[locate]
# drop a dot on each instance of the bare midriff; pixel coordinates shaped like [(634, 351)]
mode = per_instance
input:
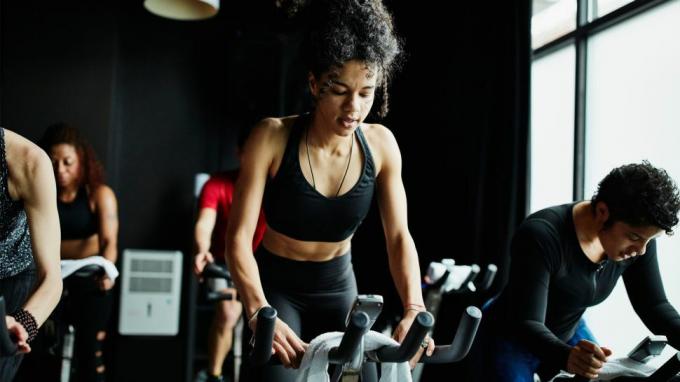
[(285, 246), (80, 248)]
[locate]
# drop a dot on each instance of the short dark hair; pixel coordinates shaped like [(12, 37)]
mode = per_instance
[(640, 195), (342, 30)]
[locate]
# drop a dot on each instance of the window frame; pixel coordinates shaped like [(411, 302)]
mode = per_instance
[(579, 38)]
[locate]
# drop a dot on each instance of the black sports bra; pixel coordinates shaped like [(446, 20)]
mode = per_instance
[(294, 208)]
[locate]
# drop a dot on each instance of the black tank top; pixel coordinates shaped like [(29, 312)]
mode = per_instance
[(76, 219), (294, 208), (16, 251)]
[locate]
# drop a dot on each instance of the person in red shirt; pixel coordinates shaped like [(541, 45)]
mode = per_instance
[(209, 238)]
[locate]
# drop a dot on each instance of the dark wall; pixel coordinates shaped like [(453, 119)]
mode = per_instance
[(57, 64), (459, 110), (162, 100)]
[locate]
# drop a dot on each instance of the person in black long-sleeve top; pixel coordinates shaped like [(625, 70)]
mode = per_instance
[(567, 258)]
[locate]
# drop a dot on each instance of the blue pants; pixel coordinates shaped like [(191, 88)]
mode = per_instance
[(513, 362)]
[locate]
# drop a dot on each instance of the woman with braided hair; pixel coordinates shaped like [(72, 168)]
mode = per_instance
[(315, 176)]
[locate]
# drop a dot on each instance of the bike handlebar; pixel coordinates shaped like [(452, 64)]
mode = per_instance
[(359, 325), (8, 346), (462, 342)]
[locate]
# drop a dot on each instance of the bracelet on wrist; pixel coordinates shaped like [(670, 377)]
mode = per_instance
[(26, 319), (256, 312), (415, 310)]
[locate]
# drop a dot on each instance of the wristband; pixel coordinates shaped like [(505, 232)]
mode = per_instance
[(26, 319)]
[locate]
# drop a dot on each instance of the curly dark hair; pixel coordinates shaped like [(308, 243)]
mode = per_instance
[(92, 171), (342, 30), (640, 195)]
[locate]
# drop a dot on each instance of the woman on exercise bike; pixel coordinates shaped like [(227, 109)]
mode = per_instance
[(315, 176), (88, 214)]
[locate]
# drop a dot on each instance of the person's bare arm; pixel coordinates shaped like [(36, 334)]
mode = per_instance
[(106, 207), (247, 200), (32, 181), (257, 159), (403, 257), (205, 223), (107, 213)]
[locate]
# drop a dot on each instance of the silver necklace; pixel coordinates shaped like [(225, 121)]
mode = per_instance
[(309, 161)]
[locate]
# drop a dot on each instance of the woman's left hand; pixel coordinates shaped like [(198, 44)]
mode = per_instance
[(105, 283), (20, 334), (400, 333)]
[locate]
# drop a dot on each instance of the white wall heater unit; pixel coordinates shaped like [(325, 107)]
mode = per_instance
[(150, 293)]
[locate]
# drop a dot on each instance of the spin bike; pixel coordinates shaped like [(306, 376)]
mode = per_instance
[(350, 355), (446, 278), (667, 372), (217, 279)]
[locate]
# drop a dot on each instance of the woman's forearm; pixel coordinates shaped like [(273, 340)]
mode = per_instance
[(45, 298), (246, 275), (405, 270), (109, 250)]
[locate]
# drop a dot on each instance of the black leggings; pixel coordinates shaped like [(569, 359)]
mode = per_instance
[(87, 308), (310, 297), (15, 290)]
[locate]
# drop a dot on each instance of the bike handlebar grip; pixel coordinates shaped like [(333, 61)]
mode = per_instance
[(462, 342), (416, 334), (471, 277), (215, 271), (474, 272), (7, 346), (358, 326), (264, 335), (489, 276), (442, 280)]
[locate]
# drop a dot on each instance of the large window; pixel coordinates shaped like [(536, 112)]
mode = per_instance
[(552, 128), (626, 88)]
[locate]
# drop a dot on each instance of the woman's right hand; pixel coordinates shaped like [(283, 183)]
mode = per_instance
[(287, 345), (200, 261), (586, 359)]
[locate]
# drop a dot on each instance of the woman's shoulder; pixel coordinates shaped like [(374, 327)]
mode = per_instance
[(274, 125), (102, 193), (376, 130), (382, 143), (273, 129), (24, 158)]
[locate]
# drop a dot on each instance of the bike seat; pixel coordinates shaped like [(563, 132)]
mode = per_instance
[(89, 270)]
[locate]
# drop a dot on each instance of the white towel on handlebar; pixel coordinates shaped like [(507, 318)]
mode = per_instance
[(314, 366), (619, 367), (70, 266)]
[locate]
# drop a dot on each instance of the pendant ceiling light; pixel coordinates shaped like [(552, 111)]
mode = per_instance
[(183, 9)]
